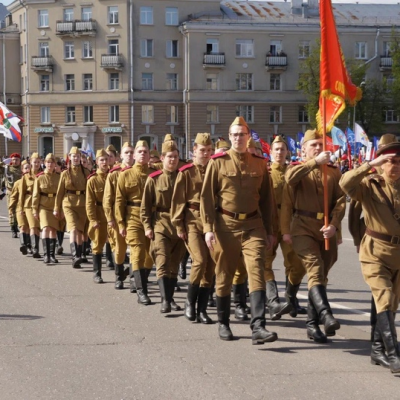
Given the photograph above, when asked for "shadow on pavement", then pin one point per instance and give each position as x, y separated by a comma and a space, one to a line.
19, 317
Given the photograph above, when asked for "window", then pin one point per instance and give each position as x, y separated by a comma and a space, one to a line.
172, 48
244, 48
68, 14
113, 15
303, 115
147, 115
275, 82
389, 81
114, 114
172, 82
212, 46
45, 115
87, 114
275, 47
247, 112
87, 82
69, 82
43, 18
360, 50
387, 46
212, 114
21, 54
146, 48
113, 47
275, 114
304, 48
212, 81
171, 16
147, 81
146, 15
244, 81
87, 51
44, 49
114, 81
86, 13
70, 115
69, 51
172, 114
45, 83
391, 116
25, 53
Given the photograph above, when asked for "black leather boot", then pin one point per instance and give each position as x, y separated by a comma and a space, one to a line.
378, 356
83, 254
51, 249
182, 266
373, 318
119, 276
211, 300
313, 330
46, 257
224, 312
163, 284
318, 297
22, 247
28, 243
60, 240
239, 299
257, 324
35, 246
190, 303
291, 297
109, 259
172, 287
387, 329
141, 287
275, 308
97, 268
148, 272
76, 260
14, 230
202, 300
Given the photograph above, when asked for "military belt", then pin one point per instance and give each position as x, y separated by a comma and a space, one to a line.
162, 209
99, 203
77, 192
134, 203
311, 214
47, 194
238, 216
382, 236
193, 206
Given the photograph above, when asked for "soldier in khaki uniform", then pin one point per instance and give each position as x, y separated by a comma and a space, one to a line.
25, 202
70, 202
236, 207
116, 240
94, 209
308, 232
62, 222
43, 200
129, 195
185, 216
167, 249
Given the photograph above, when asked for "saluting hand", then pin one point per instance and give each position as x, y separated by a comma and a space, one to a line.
381, 159
210, 240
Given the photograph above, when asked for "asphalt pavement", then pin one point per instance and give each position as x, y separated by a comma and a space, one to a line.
64, 337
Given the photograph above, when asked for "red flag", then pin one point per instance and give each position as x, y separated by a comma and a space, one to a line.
335, 83
329, 145
265, 147
349, 155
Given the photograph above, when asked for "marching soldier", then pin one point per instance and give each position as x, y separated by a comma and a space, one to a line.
62, 222
94, 209
129, 195
185, 216
308, 231
221, 146
167, 249
236, 206
70, 202
43, 199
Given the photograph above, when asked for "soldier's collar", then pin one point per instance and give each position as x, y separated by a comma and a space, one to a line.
276, 165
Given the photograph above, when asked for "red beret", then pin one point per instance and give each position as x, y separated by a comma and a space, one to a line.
15, 155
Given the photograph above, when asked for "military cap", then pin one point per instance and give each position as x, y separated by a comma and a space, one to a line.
386, 139
251, 143
51, 157
141, 143
279, 139
101, 153
168, 137
74, 150
154, 153
239, 121
311, 134
35, 155
126, 144
23, 163
203, 139
110, 147
393, 147
221, 143
169, 146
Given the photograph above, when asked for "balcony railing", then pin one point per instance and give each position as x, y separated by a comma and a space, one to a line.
214, 59
76, 27
112, 61
276, 62
386, 62
42, 63
63, 27
85, 26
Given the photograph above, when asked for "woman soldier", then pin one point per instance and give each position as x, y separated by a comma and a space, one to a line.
14, 209
44, 194
61, 229
70, 200
25, 202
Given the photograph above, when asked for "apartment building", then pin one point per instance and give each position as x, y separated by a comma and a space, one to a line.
107, 71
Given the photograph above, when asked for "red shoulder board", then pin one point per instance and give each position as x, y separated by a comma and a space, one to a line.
295, 163
331, 165
92, 174
118, 167
185, 167
124, 169
154, 174
40, 173
218, 155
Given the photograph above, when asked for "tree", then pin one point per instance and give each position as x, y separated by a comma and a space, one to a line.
395, 86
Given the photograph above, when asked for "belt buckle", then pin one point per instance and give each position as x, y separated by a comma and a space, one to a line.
395, 240
241, 216
78, 192
320, 215
50, 195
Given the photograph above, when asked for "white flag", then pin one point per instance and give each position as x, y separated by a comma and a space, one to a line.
359, 135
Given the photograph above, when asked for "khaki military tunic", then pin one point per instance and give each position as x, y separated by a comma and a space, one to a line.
44, 198
25, 199
237, 184
11, 175
356, 222
130, 188
94, 210
167, 249
14, 208
379, 258
306, 181
71, 197
185, 216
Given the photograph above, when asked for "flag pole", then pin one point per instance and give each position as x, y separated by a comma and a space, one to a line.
325, 176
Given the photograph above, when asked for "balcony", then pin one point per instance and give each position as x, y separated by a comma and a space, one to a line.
386, 63
76, 28
214, 60
42, 63
111, 61
276, 62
